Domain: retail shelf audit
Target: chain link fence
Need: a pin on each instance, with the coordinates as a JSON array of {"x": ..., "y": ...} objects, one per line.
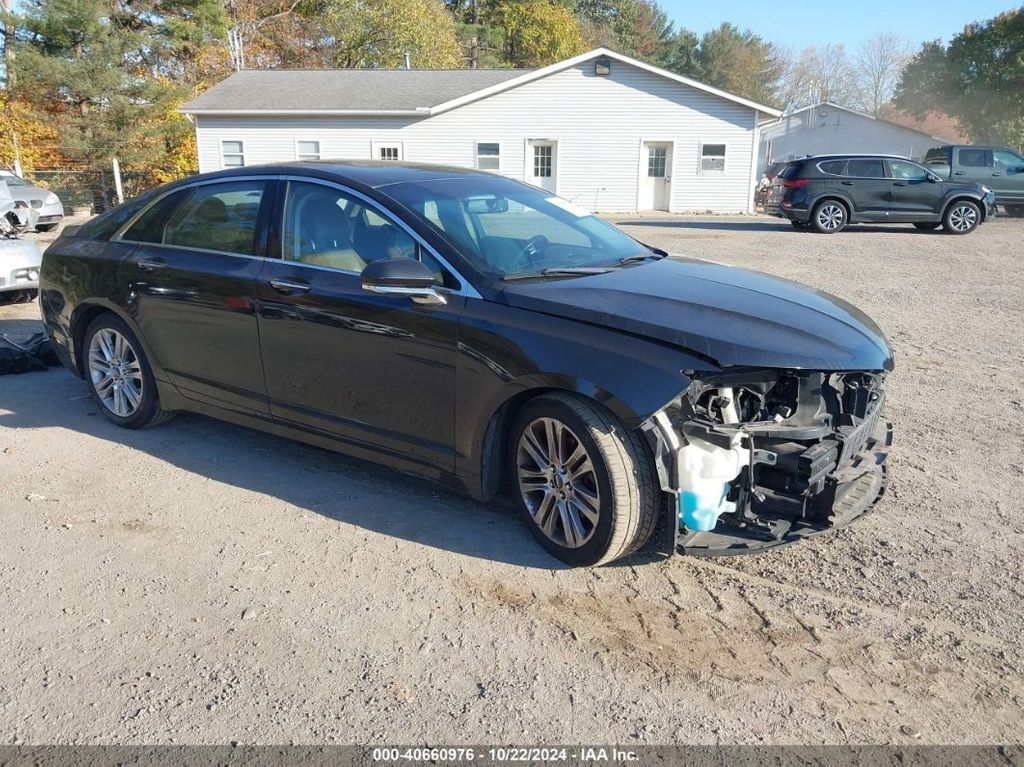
[{"x": 91, "y": 188}]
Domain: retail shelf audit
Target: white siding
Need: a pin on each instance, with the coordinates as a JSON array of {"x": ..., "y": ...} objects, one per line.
[
  {"x": 827, "y": 130},
  {"x": 600, "y": 124}
]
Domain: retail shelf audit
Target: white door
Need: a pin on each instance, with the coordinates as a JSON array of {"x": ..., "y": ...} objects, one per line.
[
  {"x": 543, "y": 168},
  {"x": 655, "y": 178}
]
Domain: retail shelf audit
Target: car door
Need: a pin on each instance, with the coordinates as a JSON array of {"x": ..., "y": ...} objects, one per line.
[
  {"x": 192, "y": 259},
  {"x": 1007, "y": 179},
  {"x": 972, "y": 164},
  {"x": 865, "y": 183},
  {"x": 374, "y": 371},
  {"x": 914, "y": 196}
]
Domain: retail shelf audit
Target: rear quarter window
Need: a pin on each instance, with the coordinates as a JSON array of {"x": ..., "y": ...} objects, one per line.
[{"x": 832, "y": 167}]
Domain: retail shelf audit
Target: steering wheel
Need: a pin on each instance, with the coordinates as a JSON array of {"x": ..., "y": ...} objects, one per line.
[{"x": 535, "y": 246}]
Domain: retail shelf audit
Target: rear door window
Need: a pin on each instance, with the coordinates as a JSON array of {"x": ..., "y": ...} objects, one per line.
[
  {"x": 973, "y": 158},
  {"x": 865, "y": 168},
  {"x": 220, "y": 217}
]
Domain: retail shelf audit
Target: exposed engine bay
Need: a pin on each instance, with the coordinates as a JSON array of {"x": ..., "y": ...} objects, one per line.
[{"x": 757, "y": 459}]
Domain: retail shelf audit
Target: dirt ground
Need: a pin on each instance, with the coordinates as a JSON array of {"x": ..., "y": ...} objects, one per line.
[{"x": 201, "y": 583}]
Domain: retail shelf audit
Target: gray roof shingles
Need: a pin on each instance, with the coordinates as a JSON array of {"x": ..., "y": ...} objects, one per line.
[{"x": 305, "y": 90}]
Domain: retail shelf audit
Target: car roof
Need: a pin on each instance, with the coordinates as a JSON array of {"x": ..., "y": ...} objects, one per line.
[
  {"x": 368, "y": 173},
  {"x": 858, "y": 155}
]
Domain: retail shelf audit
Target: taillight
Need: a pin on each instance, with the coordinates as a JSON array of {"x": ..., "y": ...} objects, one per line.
[{"x": 795, "y": 183}]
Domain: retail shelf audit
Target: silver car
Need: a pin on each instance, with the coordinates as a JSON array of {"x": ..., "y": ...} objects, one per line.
[{"x": 44, "y": 202}]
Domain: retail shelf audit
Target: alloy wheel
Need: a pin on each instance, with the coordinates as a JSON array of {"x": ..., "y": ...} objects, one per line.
[
  {"x": 963, "y": 218},
  {"x": 558, "y": 482},
  {"x": 115, "y": 372},
  {"x": 831, "y": 216}
]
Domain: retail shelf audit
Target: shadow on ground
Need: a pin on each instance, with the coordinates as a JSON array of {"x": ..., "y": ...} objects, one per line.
[{"x": 344, "y": 489}]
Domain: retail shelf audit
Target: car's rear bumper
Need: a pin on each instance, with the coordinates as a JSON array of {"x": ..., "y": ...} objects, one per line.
[{"x": 793, "y": 214}]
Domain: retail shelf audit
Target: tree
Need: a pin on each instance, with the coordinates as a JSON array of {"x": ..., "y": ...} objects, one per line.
[
  {"x": 680, "y": 53},
  {"x": 817, "y": 75},
  {"x": 877, "y": 66},
  {"x": 378, "y": 33},
  {"x": 978, "y": 78},
  {"x": 538, "y": 32},
  {"x": 740, "y": 62},
  {"x": 109, "y": 75}
]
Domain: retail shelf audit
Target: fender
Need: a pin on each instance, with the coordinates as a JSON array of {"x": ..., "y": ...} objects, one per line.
[
  {"x": 833, "y": 194},
  {"x": 507, "y": 355},
  {"x": 961, "y": 194}
]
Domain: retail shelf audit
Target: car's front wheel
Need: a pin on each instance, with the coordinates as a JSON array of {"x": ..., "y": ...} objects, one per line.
[
  {"x": 119, "y": 375},
  {"x": 962, "y": 217},
  {"x": 583, "y": 481},
  {"x": 829, "y": 217}
]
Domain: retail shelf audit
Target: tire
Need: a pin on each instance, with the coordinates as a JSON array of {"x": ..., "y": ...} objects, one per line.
[
  {"x": 928, "y": 225},
  {"x": 100, "y": 347},
  {"x": 619, "y": 482},
  {"x": 46, "y": 227},
  {"x": 829, "y": 217},
  {"x": 961, "y": 217},
  {"x": 798, "y": 224}
]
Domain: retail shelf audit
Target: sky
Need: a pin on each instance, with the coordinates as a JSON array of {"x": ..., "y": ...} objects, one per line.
[{"x": 801, "y": 23}]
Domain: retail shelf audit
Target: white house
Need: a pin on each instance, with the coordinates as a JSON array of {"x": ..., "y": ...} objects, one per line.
[
  {"x": 828, "y": 128},
  {"x": 606, "y": 131}
]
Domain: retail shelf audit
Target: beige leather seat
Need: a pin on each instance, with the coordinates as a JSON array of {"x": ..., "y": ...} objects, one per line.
[{"x": 325, "y": 236}]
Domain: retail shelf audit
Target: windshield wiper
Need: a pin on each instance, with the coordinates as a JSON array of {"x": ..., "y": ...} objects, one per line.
[
  {"x": 563, "y": 271},
  {"x": 656, "y": 255}
]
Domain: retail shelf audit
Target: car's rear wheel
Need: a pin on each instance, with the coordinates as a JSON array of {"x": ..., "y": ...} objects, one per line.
[
  {"x": 583, "y": 481},
  {"x": 962, "y": 217},
  {"x": 829, "y": 217},
  {"x": 928, "y": 225},
  {"x": 119, "y": 375}
]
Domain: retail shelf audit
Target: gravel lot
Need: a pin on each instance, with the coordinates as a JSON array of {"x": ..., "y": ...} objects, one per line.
[{"x": 202, "y": 583}]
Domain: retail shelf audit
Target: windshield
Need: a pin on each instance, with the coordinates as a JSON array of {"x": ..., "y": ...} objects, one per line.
[
  {"x": 11, "y": 180},
  {"x": 505, "y": 228}
]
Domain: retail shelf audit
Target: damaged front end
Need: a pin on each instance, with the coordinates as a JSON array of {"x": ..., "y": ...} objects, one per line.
[{"x": 758, "y": 459}]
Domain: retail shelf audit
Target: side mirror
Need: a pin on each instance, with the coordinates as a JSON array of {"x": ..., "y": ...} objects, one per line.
[
  {"x": 933, "y": 178},
  {"x": 401, "y": 277}
]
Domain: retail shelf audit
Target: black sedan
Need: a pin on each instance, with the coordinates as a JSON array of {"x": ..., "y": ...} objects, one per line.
[{"x": 482, "y": 333}]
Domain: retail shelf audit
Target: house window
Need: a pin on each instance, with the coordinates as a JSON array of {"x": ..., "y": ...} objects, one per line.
[
  {"x": 712, "y": 157},
  {"x": 232, "y": 154},
  {"x": 657, "y": 159},
  {"x": 307, "y": 150},
  {"x": 488, "y": 156},
  {"x": 542, "y": 160},
  {"x": 389, "y": 153}
]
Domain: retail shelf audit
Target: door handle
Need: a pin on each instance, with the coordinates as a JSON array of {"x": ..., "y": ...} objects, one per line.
[
  {"x": 899, "y": 183},
  {"x": 846, "y": 183},
  {"x": 152, "y": 264},
  {"x": 997, "y": 174},
  {"x": 959, "y": 173},
  {"x": 290, "y": 287}
]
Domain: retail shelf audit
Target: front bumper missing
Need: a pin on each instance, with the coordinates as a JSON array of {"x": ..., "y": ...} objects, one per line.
[
  {"x": 857, "y": 489},
  {"x": 806, "y": 473}
]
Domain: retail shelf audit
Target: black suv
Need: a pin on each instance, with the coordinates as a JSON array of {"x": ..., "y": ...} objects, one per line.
[{"x": 830, "y": 191}]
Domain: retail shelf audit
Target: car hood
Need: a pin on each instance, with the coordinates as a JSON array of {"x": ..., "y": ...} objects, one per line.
[{"x": 733, "y": 317}]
